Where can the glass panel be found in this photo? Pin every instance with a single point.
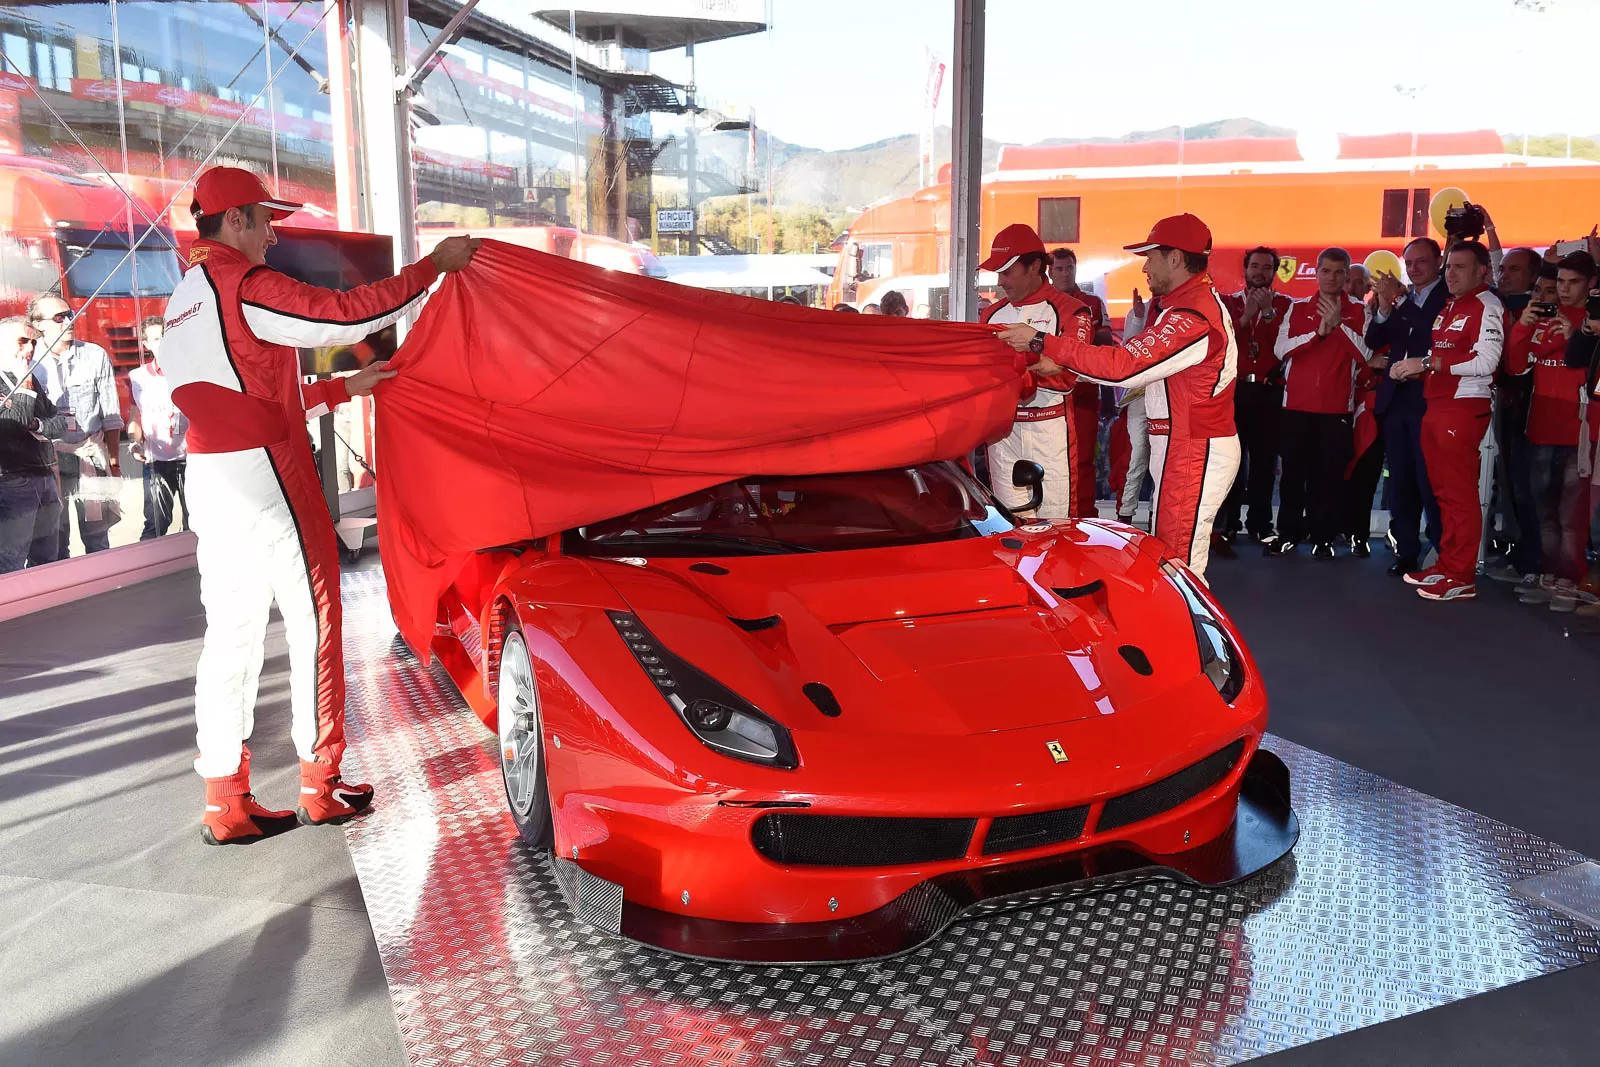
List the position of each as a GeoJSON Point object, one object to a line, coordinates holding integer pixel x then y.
{"type": "Point", "coordinates": [648, 143]}
{"type": "Point", "coordinates": [1394, 213]}
{"type": "Point", "coordinates": [106, 116]}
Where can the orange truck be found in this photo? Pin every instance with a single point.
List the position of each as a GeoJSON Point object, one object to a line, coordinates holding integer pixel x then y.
{"type": "Point", "coordinates": [1364, 194]}
{"type": "Point", "coordinates": [63, 233]}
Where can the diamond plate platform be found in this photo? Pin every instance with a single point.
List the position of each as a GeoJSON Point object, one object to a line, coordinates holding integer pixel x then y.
{"type": "Point", "coordinates": [1392, 903]}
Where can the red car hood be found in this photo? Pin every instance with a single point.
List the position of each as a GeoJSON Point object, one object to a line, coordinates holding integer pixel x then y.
{"type": "Point", "coordinates": [956, 638]}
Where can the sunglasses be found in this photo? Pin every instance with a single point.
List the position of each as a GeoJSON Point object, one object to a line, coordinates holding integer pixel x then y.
{"type": "Point", "coordinates": [60, 316]}
{"type": "Point", "coordinates": [24, 342]}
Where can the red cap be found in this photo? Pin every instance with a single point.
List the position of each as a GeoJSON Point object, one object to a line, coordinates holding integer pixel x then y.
{"type": "Point", "coordinates": [223, 187]}
{"type": "Point", "coordinates": [1014, 241]}
{"type": "Point", "coordinates": [1186, 233]}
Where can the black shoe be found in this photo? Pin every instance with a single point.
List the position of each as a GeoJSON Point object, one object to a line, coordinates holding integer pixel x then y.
{"type": "Point", "coordinates": [1323, 550]}
{"type": "Point", "coordinates": [1361, 547]}
{"type": "Point", "coordinates": [1281, 547]}
{"type": "Point", "coordinates": [1401, 567]}
{"type": "Point", "coordinates": [1261, 537]}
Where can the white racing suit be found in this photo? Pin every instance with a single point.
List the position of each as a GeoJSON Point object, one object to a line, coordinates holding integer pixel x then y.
{"type": "Point", "coordinates": [255, 501]}
{"type": "Point", "coordinates": [1043, 431]}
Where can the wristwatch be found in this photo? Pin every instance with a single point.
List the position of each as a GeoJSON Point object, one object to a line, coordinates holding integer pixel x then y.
{"type": "Point", "coordinates": [1036, 346]}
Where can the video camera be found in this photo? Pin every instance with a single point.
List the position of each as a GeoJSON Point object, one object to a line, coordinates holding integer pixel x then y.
{"type": "Point", "coordinates": [1464, 223]}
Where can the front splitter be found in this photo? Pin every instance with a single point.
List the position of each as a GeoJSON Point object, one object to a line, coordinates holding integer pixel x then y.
{"type": "Point", "coordinates": [1264, 830]}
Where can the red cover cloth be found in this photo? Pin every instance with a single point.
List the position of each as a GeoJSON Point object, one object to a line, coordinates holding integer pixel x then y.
{"type": "Point", "coordinates": [537, 394]}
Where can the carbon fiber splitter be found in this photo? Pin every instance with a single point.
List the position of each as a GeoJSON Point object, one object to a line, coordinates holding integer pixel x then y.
{"type": "Point", "coordinates": [1392, 903]}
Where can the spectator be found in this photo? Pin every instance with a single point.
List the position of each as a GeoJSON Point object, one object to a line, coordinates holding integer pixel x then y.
{"type": "Point", "coordinates": [1086, 396]}
{"type": "Point", "coordinates": [846, 307]}
{"type": "Point", "coordinates": [1468, 339]}
{"type": "Point", "coordinates": [1402, 322]}
{"type": "Point", "coordinates": [1583, 353]}
{"type": "Point", "coordinates": [1321, 342]}
{"type": "Point", "coordinates": [872, 309]}
{"type": "Point", "coordinates": [1559, 434]}
{"type": "Point", "coordinates": [1522, 272]}
{"type": "Point", "coordinates": [30, 502]}
{"type": "Point", "coordinates": [894, 304]}
{"type": "Point", "coordinates": [1258, 311]}
{"type": "Point", "coordinates": [1130, 453]}
{"type": "Point", "coordinates": [158, 430]}
{"type": "Point", "coordinates": [1366, 469]}
{"type": "Point", "coordinates": [79, 379]}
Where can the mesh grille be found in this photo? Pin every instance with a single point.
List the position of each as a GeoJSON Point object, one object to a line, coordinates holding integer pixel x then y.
{"type": "Point", "coordinates": [1170, 791]}
{"type": "Point", "coordinates": [858, 840]}
{"type": "Point", "coordinates": [1012, 833]}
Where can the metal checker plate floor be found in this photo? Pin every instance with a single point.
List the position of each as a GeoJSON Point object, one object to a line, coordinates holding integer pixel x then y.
{"type": "Point", "coordinates": [1393, 902]}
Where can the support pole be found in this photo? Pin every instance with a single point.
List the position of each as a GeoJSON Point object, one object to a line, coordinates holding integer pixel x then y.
{"type": "Point", "coordinates": [385, 125]}
{"type": "Point", "coordinates": [966, 159]}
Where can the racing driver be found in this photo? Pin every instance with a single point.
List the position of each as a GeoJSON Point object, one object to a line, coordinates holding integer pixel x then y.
{"type": "Point", "coordinates": [233, 325]}
{"type": "Point", "coordinates": [1187, 360]}
{"type": "Point", "coordinates": [1043, 428]}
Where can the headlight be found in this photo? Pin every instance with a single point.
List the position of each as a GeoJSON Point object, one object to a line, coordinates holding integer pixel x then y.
{"type": "Point", "coordinates": [718, 716]}
{"type": "Point", "coordinates": [1219, 660]}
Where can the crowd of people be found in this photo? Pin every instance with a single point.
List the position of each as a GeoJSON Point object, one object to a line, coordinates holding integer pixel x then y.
{"type": "Point", "coordinates": [1468, 384]}
{"type": "Point", "coordinates": [61, 438]}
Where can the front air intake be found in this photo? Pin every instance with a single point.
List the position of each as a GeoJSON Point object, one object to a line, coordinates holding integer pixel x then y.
{"type": "Point", "coordinates": [1171, 791]}
{"type": "Point", "coordinates": [1012, 833]}
{"type": "Point", "coordinates": [803, 839]}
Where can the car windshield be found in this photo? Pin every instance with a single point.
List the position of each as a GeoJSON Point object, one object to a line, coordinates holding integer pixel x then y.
{"type": "Point", "coordinates": [763, 515]}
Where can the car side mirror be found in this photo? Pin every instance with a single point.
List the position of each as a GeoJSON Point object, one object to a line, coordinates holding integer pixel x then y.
{"type": "Point", "coordinates": [1026, 474]}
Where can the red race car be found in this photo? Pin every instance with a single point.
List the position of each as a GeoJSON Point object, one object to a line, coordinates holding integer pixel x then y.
{"type": "Point", "coordinates": [813, 719]}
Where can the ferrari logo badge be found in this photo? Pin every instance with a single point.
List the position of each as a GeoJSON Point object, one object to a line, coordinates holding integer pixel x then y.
{"type": "Point", "coordinates": [1057, 753]}
{"type": "Point", "coordinates": [1286, 268]}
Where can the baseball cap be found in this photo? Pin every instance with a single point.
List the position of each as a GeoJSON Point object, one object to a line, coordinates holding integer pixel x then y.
{"type": "Point", "coordinates": [1184, 232]}
{"type": "Point", "coordinates": [1010, 244]}
{"type": "Point", "coordinates": [223, 187]}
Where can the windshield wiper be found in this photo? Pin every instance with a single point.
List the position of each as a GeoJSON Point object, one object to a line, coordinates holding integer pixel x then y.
{"type": "Point", "coordinates": [757, 545]}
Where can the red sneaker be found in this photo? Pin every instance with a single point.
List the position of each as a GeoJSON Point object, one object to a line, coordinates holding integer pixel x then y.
{"type": "Point", "coordinates": [1447, 589]}
{"type": "Point", "coordinates": [232, 815]}
{"type": "Point", "coordinates": [1426, 577]}
{"type": "Point", "coordinates": [326, 798]}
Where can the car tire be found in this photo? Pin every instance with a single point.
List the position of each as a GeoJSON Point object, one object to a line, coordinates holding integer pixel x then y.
{"type": "Point", "coordinates": [522, 763]}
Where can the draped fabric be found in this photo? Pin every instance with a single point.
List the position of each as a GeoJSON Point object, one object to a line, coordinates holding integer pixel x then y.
{"type": "Point", "coordinates": [537, 394]}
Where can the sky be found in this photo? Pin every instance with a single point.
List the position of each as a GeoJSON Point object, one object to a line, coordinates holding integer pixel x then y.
{"type": "Point", "coordinates": [835, 74]}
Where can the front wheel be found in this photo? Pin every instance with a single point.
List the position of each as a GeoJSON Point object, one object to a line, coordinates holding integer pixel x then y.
{"type": "Point", "coordinates": [522, 743]}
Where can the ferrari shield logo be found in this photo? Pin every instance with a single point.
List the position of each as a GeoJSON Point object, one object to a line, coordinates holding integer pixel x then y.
{"type": "Point", "coordinates": [1286, 269]}
{"type": "Point", "coordinates": [1057, 753]}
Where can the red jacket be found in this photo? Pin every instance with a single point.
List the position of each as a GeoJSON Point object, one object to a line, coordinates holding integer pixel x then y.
{"type": "Point", "coordinates": [1468, 339]}
{"type": "Point", "coordinates": [1553, 412]}
{"type": "Point", "coordinates": [1320, 372]}
{"type": "Point", "coordinates": [232, 328]}
{"type": "Point", "coordinates": [1186, 359]}
{"type": "Point", "coordinates": [1258, 337]}
{"type": "Point", "coordinates": [1055, 313]}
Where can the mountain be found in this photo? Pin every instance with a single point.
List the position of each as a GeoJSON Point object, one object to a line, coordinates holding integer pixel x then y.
{"type": "Point", "coordinates": [847, 180]}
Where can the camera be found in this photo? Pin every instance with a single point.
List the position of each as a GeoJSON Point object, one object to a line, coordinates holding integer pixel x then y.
{"type": "Point", "coordinates": [1464, 223]}
{"type": "Point", "coordinates": [1592, 308]}
{"type": "Point", "coordinates": [1546, 310]}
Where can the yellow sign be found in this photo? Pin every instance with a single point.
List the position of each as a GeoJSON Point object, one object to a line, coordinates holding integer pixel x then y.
{"type": "Point", "coordinates": [1286, 268]}
{"type": "Point", "coordinates": [1443, 201]}
{"type": "Point", "coordinates": [1057, 753]}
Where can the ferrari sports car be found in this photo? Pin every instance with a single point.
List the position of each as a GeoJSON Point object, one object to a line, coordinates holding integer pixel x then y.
{"type": "Point", "coordinates": [815, 719]}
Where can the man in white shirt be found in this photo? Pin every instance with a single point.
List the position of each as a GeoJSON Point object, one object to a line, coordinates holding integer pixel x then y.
{"type": "Point", "coordinates": [158, 430]}
{"type": "Point", "coordinates": [80, 382]}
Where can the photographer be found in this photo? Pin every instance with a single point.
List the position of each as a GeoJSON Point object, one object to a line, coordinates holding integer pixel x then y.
{"type": "Point", "coordinates": [30, 502]}
{"type": "Point", "coordinates": [1560, 436]}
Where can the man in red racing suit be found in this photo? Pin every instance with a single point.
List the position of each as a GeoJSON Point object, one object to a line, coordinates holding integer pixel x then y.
{"type": "Point", "coordinates": [233, 325]}
{"type": "Point", "coordinates": [1186, 360]}
{"type": "Point", "coordinates": [1044, 431]}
